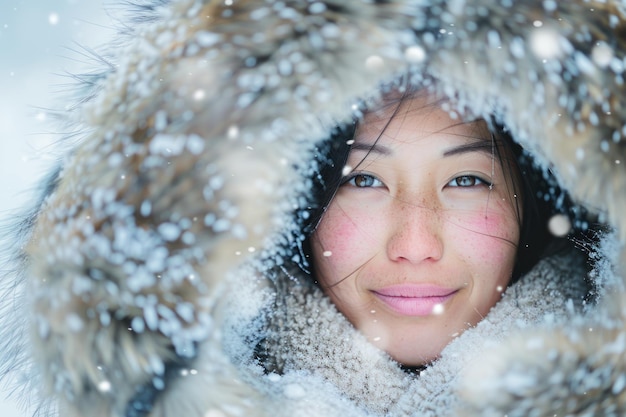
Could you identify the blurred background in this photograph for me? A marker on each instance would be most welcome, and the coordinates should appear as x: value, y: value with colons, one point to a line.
x: 40, y: 42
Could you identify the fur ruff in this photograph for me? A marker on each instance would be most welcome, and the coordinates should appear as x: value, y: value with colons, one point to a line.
x: 191, y: 160
x: 307, y: 333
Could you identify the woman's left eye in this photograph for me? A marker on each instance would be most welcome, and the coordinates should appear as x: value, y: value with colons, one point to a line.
x: 363, y: 181
x: 467, y: 181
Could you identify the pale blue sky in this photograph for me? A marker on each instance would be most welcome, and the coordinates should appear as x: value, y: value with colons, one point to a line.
x: 36, y: 38
x: 36, y: 42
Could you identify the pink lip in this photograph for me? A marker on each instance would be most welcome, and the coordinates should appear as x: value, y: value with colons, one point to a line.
x: 414, y: 300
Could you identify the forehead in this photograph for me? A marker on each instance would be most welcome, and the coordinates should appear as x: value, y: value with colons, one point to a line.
x: 417, y: 116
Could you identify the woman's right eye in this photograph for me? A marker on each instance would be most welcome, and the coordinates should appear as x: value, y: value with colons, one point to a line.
x: 363, y: 181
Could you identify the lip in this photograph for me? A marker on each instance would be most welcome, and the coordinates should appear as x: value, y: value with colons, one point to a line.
x: 414, y: 300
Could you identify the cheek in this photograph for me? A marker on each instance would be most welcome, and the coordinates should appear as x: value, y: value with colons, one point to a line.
x: 489, y: 253
x: 341, y: 243
x: 491, y: 233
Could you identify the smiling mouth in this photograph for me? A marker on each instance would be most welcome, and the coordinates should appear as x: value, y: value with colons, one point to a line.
x: 415, y: 301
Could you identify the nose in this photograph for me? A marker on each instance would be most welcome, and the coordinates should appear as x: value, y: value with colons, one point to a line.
x: 415, y: 234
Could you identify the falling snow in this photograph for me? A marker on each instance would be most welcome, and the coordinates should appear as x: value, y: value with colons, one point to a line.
x: 559, y: 225
x: 53, y: 18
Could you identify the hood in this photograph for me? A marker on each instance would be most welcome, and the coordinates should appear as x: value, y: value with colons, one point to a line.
x: 195, y: 146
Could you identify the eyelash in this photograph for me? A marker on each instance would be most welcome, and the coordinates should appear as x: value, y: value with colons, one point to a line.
x: 476, y: 181
x: 351, y: 180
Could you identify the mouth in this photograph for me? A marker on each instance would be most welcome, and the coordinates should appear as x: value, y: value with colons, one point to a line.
x: 415, y: 300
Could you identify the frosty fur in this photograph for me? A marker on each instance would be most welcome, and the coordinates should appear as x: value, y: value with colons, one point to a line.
x: 308, y: 333
x: 191, y: 160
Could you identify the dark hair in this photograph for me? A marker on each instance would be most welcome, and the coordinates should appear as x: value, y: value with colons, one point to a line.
x: 328, y: 161
x: 540, y: 194
x: 535, y: 240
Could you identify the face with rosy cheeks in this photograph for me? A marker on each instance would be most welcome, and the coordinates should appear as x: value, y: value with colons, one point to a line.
x: 420, y: 240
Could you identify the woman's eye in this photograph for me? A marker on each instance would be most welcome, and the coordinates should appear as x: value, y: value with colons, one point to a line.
x: 467, y: 181
x: 364, y: 181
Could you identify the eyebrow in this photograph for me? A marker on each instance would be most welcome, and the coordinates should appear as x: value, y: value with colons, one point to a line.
x: 375, y: 148
x: 482, y: 146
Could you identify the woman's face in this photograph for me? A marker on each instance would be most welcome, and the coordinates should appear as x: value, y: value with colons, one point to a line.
x: 420, y: 240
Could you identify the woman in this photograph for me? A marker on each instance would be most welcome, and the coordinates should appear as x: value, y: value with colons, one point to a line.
x: 160, y: 270
x: 422, y: 237
x: 414, y: 244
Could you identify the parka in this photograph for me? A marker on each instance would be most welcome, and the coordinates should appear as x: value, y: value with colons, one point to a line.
x: 158, y: 274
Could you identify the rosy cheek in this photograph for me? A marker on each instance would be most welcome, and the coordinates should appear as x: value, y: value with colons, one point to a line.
x: 492, y: 234
x: 348, y: 232
x: 341, y: 244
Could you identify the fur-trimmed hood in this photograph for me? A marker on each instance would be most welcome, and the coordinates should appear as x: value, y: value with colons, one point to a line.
x: 196, y: 142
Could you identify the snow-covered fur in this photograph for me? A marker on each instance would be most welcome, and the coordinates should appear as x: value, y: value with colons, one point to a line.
x: 306, y: 333
x: 141, y: 283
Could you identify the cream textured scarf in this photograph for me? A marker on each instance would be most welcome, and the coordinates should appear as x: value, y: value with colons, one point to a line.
x: 309, y: 337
